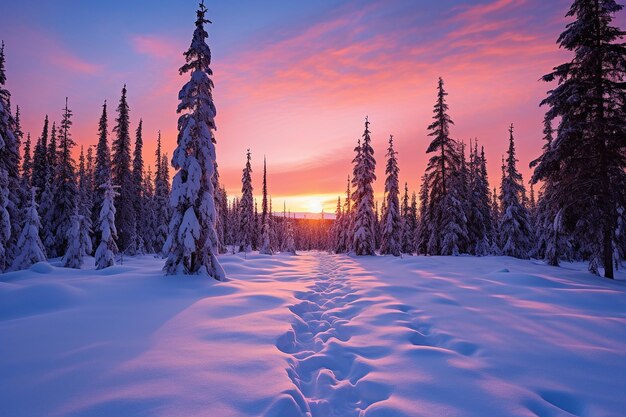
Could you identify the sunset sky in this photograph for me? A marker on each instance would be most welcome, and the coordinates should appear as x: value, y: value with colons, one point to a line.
x: 295, y: 80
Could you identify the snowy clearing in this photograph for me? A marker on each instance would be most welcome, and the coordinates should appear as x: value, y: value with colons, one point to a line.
x: 314, y: 334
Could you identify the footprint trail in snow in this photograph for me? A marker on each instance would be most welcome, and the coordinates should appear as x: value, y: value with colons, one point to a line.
x: 328, y: 373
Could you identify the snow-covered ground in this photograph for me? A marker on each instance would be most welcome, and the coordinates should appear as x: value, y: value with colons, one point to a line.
x: 315, y: 333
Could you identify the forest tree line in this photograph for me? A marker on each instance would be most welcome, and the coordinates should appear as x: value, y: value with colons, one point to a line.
x: 109, y: 203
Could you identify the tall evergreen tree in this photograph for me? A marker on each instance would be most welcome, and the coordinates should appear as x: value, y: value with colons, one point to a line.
x: 364, y: 219
x: 223, y: 223
x: 412, y: 223
x: 515, y: 222
x: 53, y: 153
x: 138, y: 203
x: 391, y: 242
x: 27, y: 165
x: 454, y: 234
x: 9, y: 168
x: 64, y: 187
x: 423, y: 229
x: 161, y: 198
x: 344, y: 225
x: 83, y: 180
x: 30, y: 248
x: 550, y: 243
x: 122, y: 178
x: 235, y: 224
x: 46, y: 208
x: 79, y: 242
x: 588, y: 158
x: 266, y: 235
x: 290, y: 244
x: 85, y: 202
x: 408, y: 224
x: 192, y: 240
x: 442, y: 166
x: 102, y: 171
x: 479, y: 220
x: 264, y: 206
x: 495, y: 218
x: 336, y: 228
x: 40, y: 162
x: 246, y: 207
x: 148, y: 221
x: 219, y: 214
x: 107, y: 248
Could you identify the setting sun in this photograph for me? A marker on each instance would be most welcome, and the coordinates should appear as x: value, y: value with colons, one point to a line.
x: 315, y: 205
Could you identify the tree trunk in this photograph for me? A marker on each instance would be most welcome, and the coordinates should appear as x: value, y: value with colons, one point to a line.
x: 607, y: 247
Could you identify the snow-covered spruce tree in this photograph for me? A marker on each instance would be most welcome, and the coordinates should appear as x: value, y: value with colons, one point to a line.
x: 40, y: 162
x: 345, y: 226
x: 532, y: 202
x: 264, y: 206
x: 46, y: 205
x: 85, y: 200
x: 223, y: 215
x: 79, y: 242
x: 148, y: 219
x: 30, y: 248
x: 9, y: 164
x: 53, y: 152
x: 412, y: 222
x: 335, y: 231
x: 445, y: 160
x: 480, y: 227
x: 25, y: 173
x: 122, y: 178
x: 235, y: 225
x: 105, y: 253
x: 246, y: 208
x: 192, y: 241
x: 273, y: 227
x: 256, y: 234
x: 102, y: 171
x: 587, y: 156
x: 46, y: 208
x: 486, y: 199
x: 5, y: 220
x: 138, y: 203
x: 290, y: 243
x: 514, y: 224
x: 550, y: 243
x: 219, y: 216
x: 408, y: 224
x: 82, y: 181
x: 266, y: 235
x: 161, y: 198
x: 423, y: 227
x: 495, y: 219
x: 464, y: 194
x: 378, y: 224
x: 363, y: 197
x: 356, y: 163
x: 27, y: 166
x: 454, y: 222
x: 391, y: 241
x: 266, y: 247
x: 64, y: 187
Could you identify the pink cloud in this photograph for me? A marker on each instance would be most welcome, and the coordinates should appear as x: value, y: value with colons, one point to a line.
x: 66, y: 60
x: 481, y: 10
x: 156, y: 47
